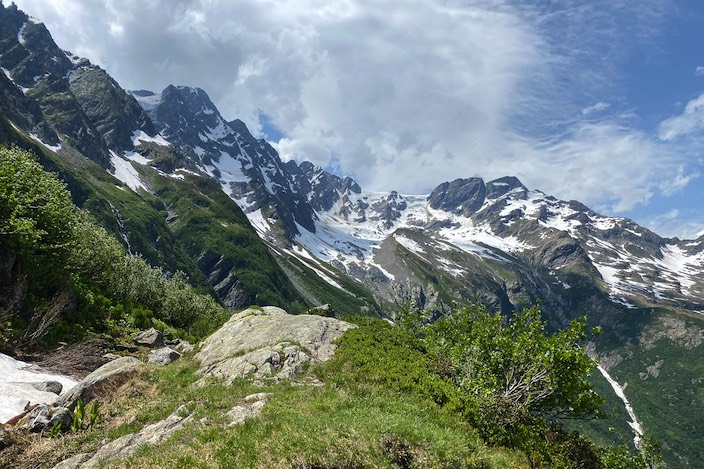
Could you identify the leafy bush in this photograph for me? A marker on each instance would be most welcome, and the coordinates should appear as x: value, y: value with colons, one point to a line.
x: 36, y: 212
x: 512, y: 373
x: 75, y: 271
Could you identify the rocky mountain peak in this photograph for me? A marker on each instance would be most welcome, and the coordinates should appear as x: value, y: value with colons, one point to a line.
x: 460, y: 197
x: 504, y: 185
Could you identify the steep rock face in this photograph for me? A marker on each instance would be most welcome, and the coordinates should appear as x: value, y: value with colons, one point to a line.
x: 24, y: 112
x: 115, y: 114
x: 34, y: 63
x: 504, y: 185
x: 80, y: 101
x: 248, y: 169
x: 461, y: 196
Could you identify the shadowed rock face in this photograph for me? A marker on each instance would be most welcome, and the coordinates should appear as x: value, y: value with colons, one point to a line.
x: 461, y: 196
x: 268, y: 342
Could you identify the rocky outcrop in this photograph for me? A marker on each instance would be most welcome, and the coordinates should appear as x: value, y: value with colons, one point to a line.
x: 268, y: 343
x: 150, y: 435
x: 106, y: 376
x: 461, y: 196
x: 252, y: 407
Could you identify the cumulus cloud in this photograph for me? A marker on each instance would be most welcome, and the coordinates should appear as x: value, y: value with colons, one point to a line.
x: 405, y: 94
x: 690, y: 121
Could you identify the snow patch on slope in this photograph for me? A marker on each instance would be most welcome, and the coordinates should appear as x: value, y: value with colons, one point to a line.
x: 16, y: 390
x: 139, y: 136
x: 638, y: 431
x: 125, y: 172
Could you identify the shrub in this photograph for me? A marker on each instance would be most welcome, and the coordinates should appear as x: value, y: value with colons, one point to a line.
x: 511, y: 372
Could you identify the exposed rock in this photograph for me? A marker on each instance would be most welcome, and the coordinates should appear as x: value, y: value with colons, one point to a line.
x: 36, y: 420
x: 502, y: 186
x: 268, y: 342
x: 163, y: 356
x: 62, y: 415
x: 49, y: 386
x: 44, y: 417
x: 675, y: 329
x: 180, y: 345
x: 74, y: 462
x: 115, y: 114
x: 653, y: 370
x: 252, y: 407
x: 281, y: 361
x: 461, y: 196
x: 124, y: 446
x: 322, y: 310
x: 150, y: 338
x: 110, y: 374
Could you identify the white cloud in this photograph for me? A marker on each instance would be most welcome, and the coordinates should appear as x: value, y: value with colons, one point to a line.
x: 699, y: 71
x: 600, y: 106
x: 678, y: 182
x: 690, y: 121
x: 675, y: 223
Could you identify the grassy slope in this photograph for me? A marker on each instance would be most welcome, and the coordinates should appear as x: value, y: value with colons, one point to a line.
x: 216, y: 233
x: 334, y: 425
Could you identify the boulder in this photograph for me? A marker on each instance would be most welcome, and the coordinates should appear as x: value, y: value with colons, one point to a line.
x: 110, y: 374
x: 280, y: 361
x: 268, y: 342
x: 180, y: 345
x: 151, y: 338
x: 62, y: 415
x: 252, y: 407
x: 36, y: 420
x: 322, y: 310
x: 163, y: 356
x: 53, y: 387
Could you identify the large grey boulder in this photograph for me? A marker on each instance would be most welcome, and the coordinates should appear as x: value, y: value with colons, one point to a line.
x: 268, y: 342
x: 53, y: 387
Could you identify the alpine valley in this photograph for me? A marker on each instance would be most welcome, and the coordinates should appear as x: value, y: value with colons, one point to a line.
x: 190, y: 191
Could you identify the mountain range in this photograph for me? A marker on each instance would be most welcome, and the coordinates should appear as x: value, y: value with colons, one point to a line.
x: 191, y: 191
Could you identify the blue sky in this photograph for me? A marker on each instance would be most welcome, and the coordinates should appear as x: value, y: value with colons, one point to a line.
x: 594, y: 100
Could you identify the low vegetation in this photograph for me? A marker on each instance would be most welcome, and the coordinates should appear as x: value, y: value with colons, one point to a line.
x: 65, y: 275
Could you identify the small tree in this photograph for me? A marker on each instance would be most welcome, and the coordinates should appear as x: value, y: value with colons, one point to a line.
x: 36, y: 212
x: 511, y: 372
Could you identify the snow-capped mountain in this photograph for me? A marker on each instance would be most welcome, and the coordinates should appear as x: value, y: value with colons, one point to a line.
x: 176, y: 180
x: 304, y: 208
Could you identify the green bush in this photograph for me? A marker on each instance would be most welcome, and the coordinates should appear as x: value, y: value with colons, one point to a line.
x: 65, y: 256
x: 512, y: 373
x: 36, y: 212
